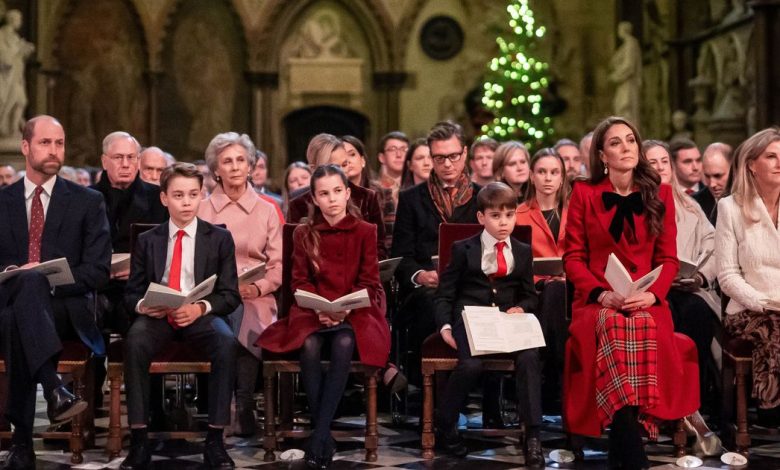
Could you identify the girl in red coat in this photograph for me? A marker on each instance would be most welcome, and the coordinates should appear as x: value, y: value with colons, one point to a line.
x: 335, y: 254
x: 624, y: 363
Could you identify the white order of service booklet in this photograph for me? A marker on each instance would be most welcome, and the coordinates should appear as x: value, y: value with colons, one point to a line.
x: 57, y: 272
x: 357, y: 299
x: 158, y: 295
x: 689, y: 268
x: 618, y: 278
x: 491, y: 331
x: 120, y: 262
x: 253, y: 274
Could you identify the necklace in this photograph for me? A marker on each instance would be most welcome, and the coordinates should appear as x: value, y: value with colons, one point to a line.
x: 553, y: 214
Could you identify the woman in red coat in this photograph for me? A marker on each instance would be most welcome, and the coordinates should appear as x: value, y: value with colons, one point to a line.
x: 624, y: 363
x: 334, y: 255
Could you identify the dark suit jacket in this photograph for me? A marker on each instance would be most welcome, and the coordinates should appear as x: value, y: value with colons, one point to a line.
x: 75, y: 228
x: 141, y: 205
x: 464, y: 283
x: 416, y: 230
x: 214, y: 254
x: 365, y: 200
x: 708, y: 204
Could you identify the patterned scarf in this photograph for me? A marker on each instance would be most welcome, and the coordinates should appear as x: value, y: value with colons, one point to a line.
x: 445, y: 202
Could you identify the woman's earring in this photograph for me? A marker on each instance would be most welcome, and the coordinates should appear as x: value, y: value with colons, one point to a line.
x: 606, y: 170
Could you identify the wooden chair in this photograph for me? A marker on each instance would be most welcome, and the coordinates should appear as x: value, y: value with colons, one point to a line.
x: 75, y: 359
x: 177, y: 358
x: 737, y: 364
x: 274, y: 365
x: 438, y: 356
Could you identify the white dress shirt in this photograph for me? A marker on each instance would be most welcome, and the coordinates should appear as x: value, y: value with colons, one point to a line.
x: 29, y: 191
x: 490, y: 257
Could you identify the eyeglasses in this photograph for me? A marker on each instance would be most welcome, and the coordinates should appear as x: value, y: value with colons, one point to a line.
x: 396, y: 149
x: 119, y: 158
x: 453, y: 157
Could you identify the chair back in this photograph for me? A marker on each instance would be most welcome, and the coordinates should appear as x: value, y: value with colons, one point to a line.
x: 450, y: 233
x: 285, y: 290
x: 135, y: 231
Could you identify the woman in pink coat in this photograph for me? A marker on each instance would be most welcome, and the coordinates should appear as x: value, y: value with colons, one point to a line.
x: 257, y: 234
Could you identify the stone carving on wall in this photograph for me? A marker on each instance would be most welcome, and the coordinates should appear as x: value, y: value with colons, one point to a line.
x: 626, y: 74
x: 322, y: 62
x: 680, y: 126
x: 102, y: 88
x: 321, y: 37
x: 655, y: 80
x: 722, y: 95
x: 14, y: 51
x: 204, y: 79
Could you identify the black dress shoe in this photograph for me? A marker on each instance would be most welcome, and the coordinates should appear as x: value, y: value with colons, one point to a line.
x: 451, y: 443
x: 63, y: 405
x: 139, y: 457
x: 534, y: 457
x: 215, y: 455
x: 20, y: 457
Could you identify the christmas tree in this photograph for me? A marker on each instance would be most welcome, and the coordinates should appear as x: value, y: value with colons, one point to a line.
x: 515, y: 82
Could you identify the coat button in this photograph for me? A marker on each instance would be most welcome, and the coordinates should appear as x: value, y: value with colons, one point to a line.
x: 633, y: 269
x: 494, y: 291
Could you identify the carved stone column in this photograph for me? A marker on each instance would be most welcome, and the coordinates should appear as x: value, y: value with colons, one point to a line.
x: 388, y: 86
x: 153, y: 78
x: 766, y: 36
x: 262, y: 85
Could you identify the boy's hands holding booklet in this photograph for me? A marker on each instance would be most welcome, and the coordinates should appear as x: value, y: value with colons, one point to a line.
x: 187, y: 314
x: 154, y: 312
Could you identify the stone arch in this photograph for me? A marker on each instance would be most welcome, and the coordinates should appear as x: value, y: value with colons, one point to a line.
x: 376, y: 23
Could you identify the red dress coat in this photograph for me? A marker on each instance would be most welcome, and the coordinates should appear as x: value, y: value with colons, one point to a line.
x: 588, y: 245
x: 543, y: 244
x: 349, y: 263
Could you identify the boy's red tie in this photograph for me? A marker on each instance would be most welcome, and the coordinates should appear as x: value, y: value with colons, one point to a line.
x: 501, y: 271
x: 174, y: 276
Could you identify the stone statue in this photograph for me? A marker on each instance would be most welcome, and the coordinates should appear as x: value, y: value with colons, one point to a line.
x: 680, y: 126
x: 626, y: 73
x: 13, y: 52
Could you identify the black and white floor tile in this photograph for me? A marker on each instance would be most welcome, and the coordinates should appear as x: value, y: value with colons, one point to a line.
x: 399, y: 449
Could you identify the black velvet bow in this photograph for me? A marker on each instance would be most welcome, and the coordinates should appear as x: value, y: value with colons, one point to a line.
x: 626, y: 205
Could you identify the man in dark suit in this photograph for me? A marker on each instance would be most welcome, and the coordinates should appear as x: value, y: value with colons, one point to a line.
x: 181, y: 254
x: 129, y: 200
x: 489, y: 269
x: 448, y: 196
x: 45, y: 218
x: 716, y: 165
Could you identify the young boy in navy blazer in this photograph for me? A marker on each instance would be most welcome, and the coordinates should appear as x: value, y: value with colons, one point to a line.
x: 181, y: 254
x: 489, y: 269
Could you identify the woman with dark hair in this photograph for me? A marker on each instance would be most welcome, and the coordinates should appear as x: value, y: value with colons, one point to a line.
x: 625, y: 366
x: 417, y: 165
x: 747, y: 237
x: 355, y: 165
x: 545, y: 210
x: 334, y: 255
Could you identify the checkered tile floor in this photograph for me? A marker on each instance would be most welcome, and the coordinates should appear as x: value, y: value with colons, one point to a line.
x: 399, y: 449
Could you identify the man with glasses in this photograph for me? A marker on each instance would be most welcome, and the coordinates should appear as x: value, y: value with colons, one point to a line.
x: 448, y: 196
x: 129, y: 200
x: 392, y: 156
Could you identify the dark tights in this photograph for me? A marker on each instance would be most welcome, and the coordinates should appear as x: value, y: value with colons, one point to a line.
x: 626, y: 450
x: 324, y: 390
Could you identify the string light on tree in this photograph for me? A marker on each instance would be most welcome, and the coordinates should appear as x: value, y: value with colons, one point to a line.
x: 515, y: 81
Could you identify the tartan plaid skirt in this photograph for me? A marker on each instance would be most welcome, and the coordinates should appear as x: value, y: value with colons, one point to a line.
x: 626, y: 366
